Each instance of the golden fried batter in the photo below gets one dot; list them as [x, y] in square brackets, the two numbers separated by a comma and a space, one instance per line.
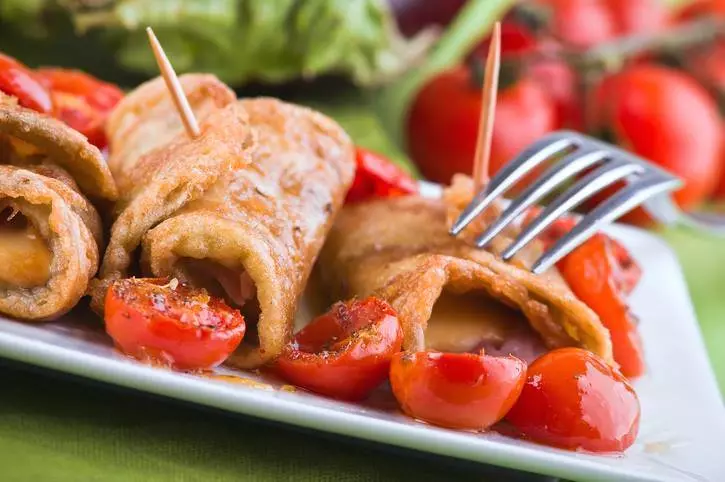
[48, 226]
[400, 249]
[264, 223]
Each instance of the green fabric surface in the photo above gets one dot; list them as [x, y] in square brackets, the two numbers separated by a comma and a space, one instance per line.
[57, 430]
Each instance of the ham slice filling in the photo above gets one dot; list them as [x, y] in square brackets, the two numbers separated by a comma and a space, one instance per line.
[236, 287]
[473, 321]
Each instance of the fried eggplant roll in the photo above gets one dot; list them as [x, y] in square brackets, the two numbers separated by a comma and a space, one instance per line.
[50, 233]
[253, 233]
[451, 296]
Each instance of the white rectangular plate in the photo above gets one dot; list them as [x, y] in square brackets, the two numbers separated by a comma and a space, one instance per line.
[682, 433]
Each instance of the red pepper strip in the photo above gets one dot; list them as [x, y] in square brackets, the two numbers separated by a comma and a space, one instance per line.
[81, 101]
[20, 82]
[346, 352]
[377, 177]
[591, 271]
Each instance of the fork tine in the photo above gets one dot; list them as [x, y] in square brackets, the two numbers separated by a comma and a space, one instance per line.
[512, 172]
[586, 187]
[645, 187]
[569, 166]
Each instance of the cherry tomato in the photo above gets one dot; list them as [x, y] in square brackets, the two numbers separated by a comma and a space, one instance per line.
[81, 101]
[20, 82]
[627, 272]
[456, 390]
[592, 273]
[346, 352]
[584, 24]
[179, 327]
[516, 39]
[572, 399]
[663, 115]
[376, 176]
[442, 125]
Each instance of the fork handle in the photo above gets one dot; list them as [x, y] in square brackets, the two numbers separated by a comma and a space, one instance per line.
[665, 210]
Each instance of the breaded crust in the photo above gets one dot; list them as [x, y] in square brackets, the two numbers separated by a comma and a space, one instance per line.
[146, 119]
[168, 177]
[400, 249]
[268, 218]
[63, 146]
[68, 223]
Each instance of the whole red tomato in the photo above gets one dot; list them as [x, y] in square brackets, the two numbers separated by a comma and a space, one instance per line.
[666, 116]
[586, 23]
[572, 399]
[443, 123]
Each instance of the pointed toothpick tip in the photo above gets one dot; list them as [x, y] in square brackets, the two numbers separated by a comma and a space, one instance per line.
[174, 86]
[488, 110]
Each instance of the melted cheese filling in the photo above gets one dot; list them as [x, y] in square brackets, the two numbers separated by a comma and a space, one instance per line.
[24, 257]
[473, 321]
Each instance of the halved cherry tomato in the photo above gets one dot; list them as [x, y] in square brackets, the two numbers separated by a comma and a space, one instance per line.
[81, 101]
[100, 95]
[179, 327]
[456, 390]
[572, 399]
[377, 177]
[346, 352]
[19, 81]
[592, 273]
[627, 273]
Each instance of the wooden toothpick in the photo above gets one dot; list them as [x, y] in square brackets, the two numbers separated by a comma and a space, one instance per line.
[174, 86]
[488, 110]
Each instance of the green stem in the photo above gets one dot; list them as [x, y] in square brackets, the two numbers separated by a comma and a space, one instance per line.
[471, 25]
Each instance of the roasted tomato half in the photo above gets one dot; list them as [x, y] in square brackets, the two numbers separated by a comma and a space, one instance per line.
[346, 352]
[456, 390]
[572, 399]
[19, 81]
[171, 324]
[378, 177]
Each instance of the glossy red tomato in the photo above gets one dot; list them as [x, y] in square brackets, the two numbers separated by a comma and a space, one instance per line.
[20, 82]
[586, 23]
[346, 352]
[572, 399]
[592, 272]
[376, 177]
[666, 116]
[81, 101]
[179, 327]
[442, 125]
[456, 390]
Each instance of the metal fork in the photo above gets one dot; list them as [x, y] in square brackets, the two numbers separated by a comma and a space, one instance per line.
[646, 184]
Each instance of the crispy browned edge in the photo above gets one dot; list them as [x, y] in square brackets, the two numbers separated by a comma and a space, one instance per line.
[68, 223]
[64, 145]
[400, 249]
[167, 178]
